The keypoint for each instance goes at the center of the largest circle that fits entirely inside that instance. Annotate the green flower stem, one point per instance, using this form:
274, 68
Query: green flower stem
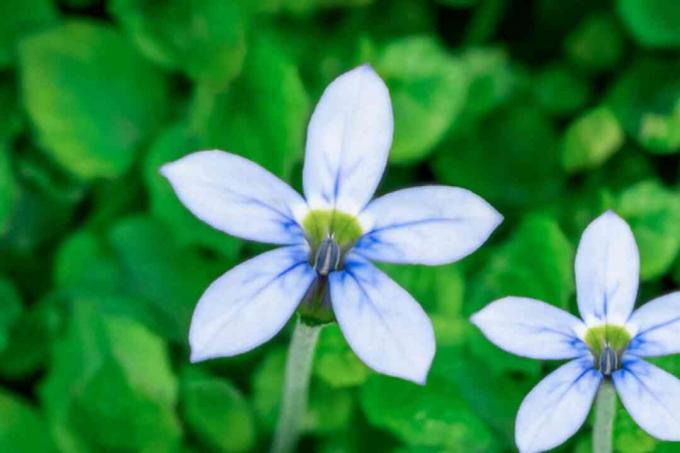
605, 409
295, 386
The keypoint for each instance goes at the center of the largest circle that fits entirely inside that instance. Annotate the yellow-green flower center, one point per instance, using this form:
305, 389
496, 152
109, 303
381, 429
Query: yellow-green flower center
331, 234
328, 223
607, 343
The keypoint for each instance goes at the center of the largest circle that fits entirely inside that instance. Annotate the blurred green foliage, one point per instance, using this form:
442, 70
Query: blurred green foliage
552, 111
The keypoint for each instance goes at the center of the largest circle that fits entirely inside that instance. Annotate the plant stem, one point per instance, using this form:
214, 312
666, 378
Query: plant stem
605, 409
295, 386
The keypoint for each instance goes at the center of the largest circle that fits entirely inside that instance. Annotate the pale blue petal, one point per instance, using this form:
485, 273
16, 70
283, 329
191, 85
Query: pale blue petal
426, 225
382, 323
656, 327
248, 305
557, 407
531, 328
607, 271
651, 396
348, 140
237, 196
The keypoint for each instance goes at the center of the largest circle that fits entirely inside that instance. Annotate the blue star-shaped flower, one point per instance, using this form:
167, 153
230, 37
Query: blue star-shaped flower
328, 238
608, 343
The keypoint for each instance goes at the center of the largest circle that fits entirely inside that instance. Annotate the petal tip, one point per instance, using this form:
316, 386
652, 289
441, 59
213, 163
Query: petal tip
166, 169
474, 318
612, 216
497, 219
418, 377
367, 67
421, 381
197, 356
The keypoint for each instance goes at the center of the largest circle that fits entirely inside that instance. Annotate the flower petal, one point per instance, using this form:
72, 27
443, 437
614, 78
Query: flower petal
651, 396
237, 196
531, 328
557, 407
607, 271
383, 324
426, 225
249, 304
348, 141
656, 326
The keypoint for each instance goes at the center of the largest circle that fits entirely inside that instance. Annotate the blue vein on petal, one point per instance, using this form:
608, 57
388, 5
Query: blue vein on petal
338, 172
240, 302
586, 369
658, 326
370, 239
290, 223
627, 369
573, 340
349, 272
252, 200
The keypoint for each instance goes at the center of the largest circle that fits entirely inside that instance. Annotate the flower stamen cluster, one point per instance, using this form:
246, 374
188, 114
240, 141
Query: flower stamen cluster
607, 343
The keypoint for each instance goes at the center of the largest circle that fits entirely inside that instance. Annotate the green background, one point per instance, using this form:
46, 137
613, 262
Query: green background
553, 111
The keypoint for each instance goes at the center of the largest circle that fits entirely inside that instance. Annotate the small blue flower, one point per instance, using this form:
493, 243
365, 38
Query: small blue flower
328, 237
607, 344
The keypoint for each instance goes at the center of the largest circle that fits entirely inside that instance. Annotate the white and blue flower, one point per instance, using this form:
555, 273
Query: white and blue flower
328, 238
609, 343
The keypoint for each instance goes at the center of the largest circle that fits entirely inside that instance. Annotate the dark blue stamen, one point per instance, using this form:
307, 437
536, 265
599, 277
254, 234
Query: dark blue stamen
327, 257
608, 361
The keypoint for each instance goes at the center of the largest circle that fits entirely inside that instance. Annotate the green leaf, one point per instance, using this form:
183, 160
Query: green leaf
12, 122
86, 267
653, 23
216, 412
629, 437
19, 18
172, 144
267, 384
158, 270
559, 90
495, 404
596, 44
330, 409
335, 363
22, 428
438, 289
205, 40
431, 416
10, 310
491, 81
646, 100
510, 158
9, 190
30, 339
653, 213
459, 3
591, 139
82, 263
536, 261
91, 97
262, 116
300, 7
110, 385
428, 89
45, 202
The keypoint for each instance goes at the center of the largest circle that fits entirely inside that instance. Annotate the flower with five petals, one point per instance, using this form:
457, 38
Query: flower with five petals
609, 343
327, 239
